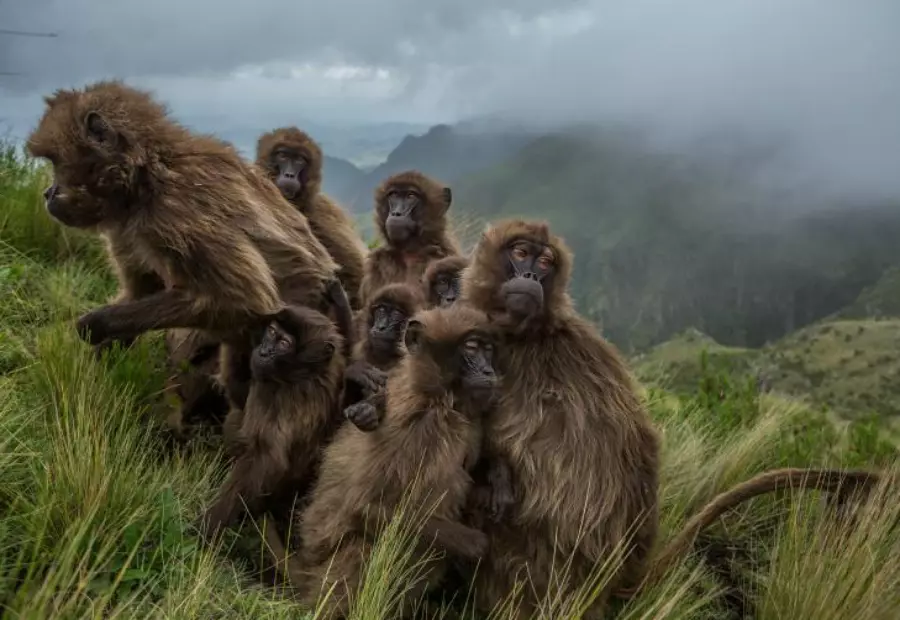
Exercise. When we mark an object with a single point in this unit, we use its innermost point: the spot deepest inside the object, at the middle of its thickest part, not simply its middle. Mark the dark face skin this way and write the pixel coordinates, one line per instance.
(530, 268)
(386, 327)
(446, 289)
(279, 357)
(290, 171)
(476, 355)
(402, 222)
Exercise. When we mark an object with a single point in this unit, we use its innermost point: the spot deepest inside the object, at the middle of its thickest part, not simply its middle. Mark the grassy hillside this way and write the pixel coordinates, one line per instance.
(97, 515)
(666, 242)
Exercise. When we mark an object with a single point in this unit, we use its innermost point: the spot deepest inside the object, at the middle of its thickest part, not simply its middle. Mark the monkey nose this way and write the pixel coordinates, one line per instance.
(530, 275)
(50, 192)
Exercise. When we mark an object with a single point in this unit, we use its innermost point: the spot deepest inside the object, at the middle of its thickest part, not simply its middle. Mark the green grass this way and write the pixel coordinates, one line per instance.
(97, 516)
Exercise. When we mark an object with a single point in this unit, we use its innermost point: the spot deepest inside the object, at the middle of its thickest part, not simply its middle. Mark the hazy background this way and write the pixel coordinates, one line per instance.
(822, 76)
(729, 165)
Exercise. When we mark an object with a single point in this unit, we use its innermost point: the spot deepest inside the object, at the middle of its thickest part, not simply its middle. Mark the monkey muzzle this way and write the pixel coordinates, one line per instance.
(399, 228)
(289, 185)
(523, 295)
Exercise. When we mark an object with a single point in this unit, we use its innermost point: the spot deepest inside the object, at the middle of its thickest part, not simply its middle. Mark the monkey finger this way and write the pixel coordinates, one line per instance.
(363, 415)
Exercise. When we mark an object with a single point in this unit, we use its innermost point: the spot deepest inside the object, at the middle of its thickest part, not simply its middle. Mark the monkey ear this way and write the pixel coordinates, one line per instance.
(447, 195)
(98, 128)
(413, 336)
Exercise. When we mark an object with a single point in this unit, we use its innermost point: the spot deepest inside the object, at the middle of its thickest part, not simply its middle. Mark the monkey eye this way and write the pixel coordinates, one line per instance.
(519, 253)
(270, 331)
(545, 262)
(411, 195)
(283, 344)
(472, 345)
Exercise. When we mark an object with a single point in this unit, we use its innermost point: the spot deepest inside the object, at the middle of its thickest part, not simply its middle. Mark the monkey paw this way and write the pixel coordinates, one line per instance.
(476, 545)
(364, 415)
(92, 327)
(369, 378)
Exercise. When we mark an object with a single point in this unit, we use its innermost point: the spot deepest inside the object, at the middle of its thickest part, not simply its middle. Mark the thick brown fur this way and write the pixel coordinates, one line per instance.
(193, 359)
(583, 452)
(286, 423)
(328, 221)
(388, 263)
(199, 238)
(449, 266)
(367, 473)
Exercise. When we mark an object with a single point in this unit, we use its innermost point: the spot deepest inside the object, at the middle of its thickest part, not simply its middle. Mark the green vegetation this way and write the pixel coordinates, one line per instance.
(97, 514)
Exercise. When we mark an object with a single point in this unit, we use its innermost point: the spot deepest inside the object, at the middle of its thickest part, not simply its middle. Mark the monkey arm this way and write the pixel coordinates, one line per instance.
(493, 493)
(161, 310)
(450, 536)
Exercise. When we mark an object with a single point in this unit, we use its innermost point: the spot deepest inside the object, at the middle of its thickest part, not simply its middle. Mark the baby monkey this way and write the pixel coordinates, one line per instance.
(441, 283)
(379, 349)
(291, 412)
(425, 447)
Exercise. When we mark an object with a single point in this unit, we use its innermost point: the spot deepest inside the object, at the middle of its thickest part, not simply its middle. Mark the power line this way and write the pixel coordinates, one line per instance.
(25, 33)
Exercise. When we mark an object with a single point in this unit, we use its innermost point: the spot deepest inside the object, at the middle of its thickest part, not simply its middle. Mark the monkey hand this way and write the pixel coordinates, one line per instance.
(107, 345)
(499, 490)
(364, 415)
(92, 327)
(366, 376)
(213, 522)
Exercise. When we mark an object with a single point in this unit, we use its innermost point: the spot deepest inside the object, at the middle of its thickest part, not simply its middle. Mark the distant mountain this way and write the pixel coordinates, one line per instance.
(341, 180)
(665, 242)
(881, 300)
(445, 152)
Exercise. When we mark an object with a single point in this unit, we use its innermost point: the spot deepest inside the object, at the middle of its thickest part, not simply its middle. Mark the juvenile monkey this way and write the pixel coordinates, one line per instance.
(291, 412)
(199, 238)
(378, 350)
(293, 161)
(430, 435)
(411, 217)
(442, 281)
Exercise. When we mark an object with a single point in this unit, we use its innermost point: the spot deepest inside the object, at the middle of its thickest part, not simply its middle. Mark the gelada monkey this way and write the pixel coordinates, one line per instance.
(291, 412)
(442, 281)
(426, 445)
(293, 161)
(379, 349)
(411, 218)
(566, 403)
(200, 239)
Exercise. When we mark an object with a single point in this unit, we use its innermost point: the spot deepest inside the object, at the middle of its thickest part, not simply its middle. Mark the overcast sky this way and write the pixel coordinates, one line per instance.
(824, 73)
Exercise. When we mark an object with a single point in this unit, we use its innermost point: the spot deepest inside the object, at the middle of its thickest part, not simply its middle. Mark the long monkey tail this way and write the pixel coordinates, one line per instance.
(830, 480)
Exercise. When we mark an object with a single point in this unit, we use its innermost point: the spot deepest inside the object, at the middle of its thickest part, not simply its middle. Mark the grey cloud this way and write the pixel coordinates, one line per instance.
(131, 38)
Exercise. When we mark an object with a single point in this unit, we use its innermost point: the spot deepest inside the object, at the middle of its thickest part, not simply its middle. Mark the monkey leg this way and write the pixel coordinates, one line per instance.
(333, 583)
(255, 473)
(450, 536)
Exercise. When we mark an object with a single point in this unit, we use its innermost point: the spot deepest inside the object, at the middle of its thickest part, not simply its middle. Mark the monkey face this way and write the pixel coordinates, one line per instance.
(90, 173)
(446, 288)
(530, 268)
(476, 363)
(290, 171)
(386, 326)
(402, 221)
(282, 356)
